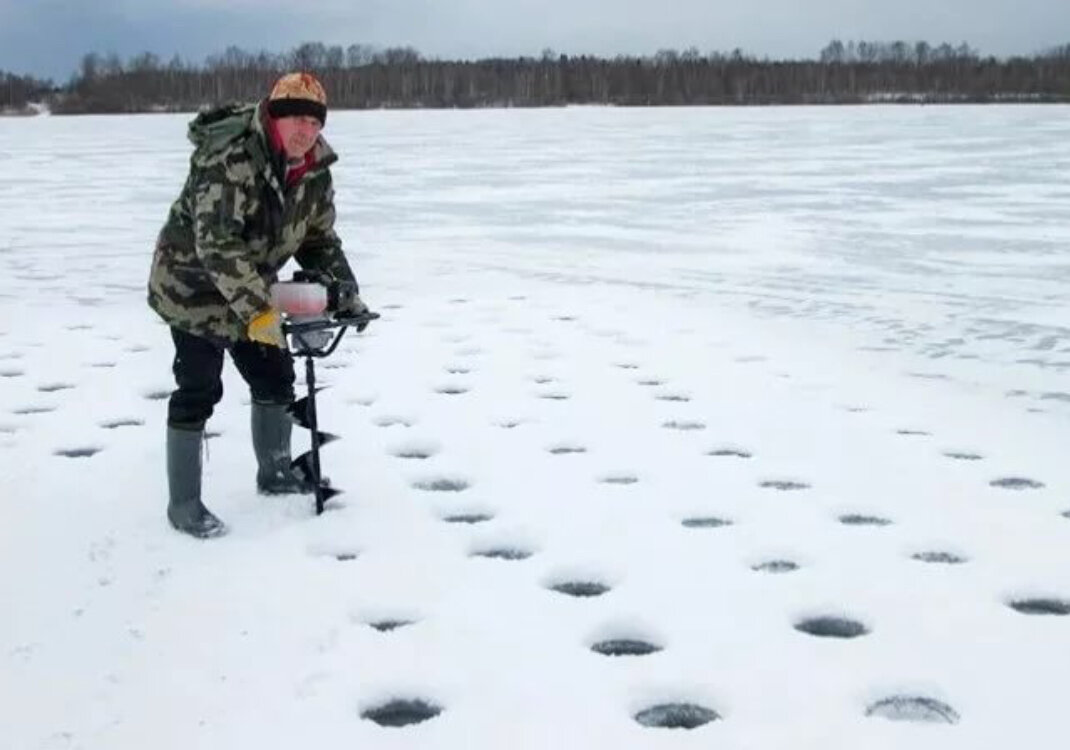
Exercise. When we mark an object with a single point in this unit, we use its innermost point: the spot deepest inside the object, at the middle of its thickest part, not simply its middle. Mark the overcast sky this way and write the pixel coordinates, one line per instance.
(48, 37)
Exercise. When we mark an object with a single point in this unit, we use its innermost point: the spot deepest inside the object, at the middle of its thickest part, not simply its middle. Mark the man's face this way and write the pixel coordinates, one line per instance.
(298, 134)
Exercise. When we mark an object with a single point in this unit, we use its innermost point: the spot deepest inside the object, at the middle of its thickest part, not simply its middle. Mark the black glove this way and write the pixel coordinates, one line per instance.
(354, 307)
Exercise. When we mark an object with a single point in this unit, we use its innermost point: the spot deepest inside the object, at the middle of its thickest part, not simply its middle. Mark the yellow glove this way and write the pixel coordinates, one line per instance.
(266, 328)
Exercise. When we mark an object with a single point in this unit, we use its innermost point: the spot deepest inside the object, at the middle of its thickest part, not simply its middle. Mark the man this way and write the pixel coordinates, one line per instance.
(258, 193)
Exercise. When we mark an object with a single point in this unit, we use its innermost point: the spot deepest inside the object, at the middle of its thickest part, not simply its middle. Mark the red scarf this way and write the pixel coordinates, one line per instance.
(294, 172)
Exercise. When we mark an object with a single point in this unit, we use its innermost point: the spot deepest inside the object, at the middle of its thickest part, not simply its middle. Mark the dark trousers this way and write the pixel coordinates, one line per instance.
(198, 367)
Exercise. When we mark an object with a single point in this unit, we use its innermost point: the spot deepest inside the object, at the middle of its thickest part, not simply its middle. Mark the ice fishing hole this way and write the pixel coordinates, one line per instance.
(441, 484)
(401, 713)
(775, 566)
(784, 485)
(831, 627)
(625, 647)
(856, 519)
(503, 553)
(706, 522)
(77, 452)
(581, 589)
(387, 626)
(1016, 483)
(933, 556)
(468, 518)
(1058, 607)
(914, 708)
(729, 453)
(676, 716)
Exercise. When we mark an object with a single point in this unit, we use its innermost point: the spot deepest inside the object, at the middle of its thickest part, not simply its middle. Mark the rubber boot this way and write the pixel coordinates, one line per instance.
(272, 426)
(185, 510)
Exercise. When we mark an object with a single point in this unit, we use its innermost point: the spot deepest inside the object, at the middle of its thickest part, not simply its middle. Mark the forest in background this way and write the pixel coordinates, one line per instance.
(361, 77)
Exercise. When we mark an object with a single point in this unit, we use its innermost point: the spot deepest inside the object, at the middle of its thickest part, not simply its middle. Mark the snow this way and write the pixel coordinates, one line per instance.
(614, 333)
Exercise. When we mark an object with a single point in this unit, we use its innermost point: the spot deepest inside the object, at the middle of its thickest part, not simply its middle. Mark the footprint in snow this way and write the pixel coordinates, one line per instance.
(441, 484)
(619, 479)
(504, 552)
(158, 395)
(416, 449)
(555, 396)
(11, 373)
(1016, 483)
(909, 433)
(85, 452)
(470, 518)
(673, 397)
(27, 410)
(857, 519)
(784, 485)
(54, 387)
(393, 421)
(913, 708)
(775, 566)
(565, 449)
(729, 453)
(451, 389)
(964, 456)
(625, 646)
(938, 557)
(684, 425)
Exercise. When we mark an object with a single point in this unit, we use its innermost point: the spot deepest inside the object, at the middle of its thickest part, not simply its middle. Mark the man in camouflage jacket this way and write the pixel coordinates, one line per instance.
(259, 192)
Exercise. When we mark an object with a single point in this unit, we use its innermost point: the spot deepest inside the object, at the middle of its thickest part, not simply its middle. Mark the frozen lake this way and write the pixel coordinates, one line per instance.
(756, 417)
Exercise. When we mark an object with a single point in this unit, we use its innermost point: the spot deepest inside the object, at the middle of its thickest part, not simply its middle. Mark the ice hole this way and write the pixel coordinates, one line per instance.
(831, 627)
(625, 647)
(1041, 606)
(676, 716)
(401, 713)
(581, 589)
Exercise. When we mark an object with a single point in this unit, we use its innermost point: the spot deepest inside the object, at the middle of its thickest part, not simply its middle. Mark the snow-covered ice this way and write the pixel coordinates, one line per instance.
(757, 413)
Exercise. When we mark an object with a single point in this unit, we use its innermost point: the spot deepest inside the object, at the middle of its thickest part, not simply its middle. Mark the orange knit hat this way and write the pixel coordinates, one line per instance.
(298, 94)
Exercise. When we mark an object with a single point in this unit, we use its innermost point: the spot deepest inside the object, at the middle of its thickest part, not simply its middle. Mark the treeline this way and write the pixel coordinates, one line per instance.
(16, 92)
(360, 76)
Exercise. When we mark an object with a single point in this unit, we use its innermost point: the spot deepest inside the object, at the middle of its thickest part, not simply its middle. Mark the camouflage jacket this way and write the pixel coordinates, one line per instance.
(236, 224)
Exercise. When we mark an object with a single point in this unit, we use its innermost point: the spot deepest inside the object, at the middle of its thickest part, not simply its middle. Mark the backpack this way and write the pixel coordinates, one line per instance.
(215, 129)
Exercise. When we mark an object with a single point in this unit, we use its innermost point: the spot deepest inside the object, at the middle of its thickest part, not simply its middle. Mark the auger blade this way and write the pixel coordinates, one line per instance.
(302, 466)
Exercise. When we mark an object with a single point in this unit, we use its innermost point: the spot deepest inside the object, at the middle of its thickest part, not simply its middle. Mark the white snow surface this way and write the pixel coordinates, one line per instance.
(870, 303)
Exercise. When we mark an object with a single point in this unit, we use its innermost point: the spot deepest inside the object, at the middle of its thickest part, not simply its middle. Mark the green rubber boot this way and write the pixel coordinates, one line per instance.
(185, 510)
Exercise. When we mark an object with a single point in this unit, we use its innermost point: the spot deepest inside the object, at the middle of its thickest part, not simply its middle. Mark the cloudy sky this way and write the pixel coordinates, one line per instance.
(48, 37)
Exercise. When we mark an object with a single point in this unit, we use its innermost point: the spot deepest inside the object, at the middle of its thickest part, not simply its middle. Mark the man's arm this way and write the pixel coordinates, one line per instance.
(322, 248)
(219, 218)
